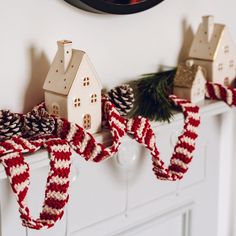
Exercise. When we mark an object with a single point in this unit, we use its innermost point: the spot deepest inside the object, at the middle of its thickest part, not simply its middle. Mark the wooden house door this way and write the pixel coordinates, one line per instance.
(55, 109)
(87, 121)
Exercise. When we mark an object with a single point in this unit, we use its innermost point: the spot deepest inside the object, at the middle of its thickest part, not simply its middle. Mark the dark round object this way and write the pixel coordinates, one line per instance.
(115, 6)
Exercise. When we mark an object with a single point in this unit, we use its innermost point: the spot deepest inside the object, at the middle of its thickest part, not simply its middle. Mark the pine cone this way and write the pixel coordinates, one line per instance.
(10, 124)
(38, 122)
(123, 98)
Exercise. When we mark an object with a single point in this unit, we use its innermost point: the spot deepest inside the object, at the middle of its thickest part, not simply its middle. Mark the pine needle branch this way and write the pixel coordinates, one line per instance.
(152, 95)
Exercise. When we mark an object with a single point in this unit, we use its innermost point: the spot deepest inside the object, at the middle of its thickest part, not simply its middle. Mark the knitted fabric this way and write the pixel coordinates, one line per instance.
(56, 193)
(219, 92)
(69, 135)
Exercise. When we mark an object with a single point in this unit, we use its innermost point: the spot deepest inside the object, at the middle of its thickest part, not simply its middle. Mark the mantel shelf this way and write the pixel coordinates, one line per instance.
(40, 158)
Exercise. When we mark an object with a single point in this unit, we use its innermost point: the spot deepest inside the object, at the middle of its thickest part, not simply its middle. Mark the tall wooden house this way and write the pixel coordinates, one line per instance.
(214, 49)
(73, 88)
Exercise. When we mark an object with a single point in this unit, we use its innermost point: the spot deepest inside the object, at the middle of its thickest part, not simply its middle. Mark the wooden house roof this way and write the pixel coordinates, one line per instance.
(207, 49)
(61, 82)
(185, 75)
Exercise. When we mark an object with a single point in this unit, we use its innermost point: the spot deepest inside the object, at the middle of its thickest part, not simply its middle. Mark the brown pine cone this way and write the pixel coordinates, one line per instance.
(38, 122)
(11, 124)
(123, 98)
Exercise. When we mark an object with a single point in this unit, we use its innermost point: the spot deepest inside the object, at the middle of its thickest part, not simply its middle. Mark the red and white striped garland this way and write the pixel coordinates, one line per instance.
(219, 92)
(69, 135)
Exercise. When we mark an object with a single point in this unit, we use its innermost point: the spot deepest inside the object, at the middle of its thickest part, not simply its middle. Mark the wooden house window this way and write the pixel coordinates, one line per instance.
(77, 102)
(231, 63)
(55, 110)
(93, 98)
(86, 81)
(226, 49)
(87, 121)
(220, 67)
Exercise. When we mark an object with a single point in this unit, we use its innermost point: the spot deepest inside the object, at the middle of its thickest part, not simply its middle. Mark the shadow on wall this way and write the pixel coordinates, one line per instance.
(39, 69)
(188, 35)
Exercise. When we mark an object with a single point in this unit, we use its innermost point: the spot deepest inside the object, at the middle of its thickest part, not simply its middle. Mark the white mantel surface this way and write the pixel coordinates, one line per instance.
(39, 159)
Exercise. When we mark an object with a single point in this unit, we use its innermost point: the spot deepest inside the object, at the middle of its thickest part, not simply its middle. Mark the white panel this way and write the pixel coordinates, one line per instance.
(143, 185)
(175, 222)
(163, 228)
(10, 217)
(97, 194)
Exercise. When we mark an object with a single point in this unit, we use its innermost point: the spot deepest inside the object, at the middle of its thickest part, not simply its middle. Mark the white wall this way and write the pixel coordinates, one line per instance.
(121, 47)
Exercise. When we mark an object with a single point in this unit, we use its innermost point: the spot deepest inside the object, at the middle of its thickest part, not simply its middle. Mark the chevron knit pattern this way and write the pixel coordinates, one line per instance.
(56, 194)
(219, 92)
(69, 135)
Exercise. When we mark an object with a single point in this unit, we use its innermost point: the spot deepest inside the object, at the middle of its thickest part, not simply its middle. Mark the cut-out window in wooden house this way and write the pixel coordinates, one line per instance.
(226, 49)
(86, 81)
(220, 67)
(76, 102)
(87, 121)
(55, 109)
(231, 63)
(93, 98)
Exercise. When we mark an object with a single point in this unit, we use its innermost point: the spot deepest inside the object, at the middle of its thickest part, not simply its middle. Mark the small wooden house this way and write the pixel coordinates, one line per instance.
(73, 88)
(189, 82)
(213, 48)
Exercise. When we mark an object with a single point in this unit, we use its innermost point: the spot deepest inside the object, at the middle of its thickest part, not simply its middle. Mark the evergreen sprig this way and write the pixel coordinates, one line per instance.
(152, 95)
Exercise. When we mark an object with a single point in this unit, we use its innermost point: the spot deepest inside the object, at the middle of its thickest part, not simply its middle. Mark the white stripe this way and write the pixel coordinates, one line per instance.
(9, 156)
(28, 144)
(2, 149)
(72, 132)
(183, 151)
(130, 124)
(52, 211)
(57, 195)
(152, 142)
(179, 174)
(60, 148)
(84, 142)
(62, 164)
(157, 162)
(118, 123)
(229, 97)
(217, 91)
(17, 170)
(192, 128)
(141, 127)
(58, 180)
(15, 145)
(95, 152)
(179, 163)
(20, 187)
(185, 105)
(188, 140)
(194, 115)
(160, 171)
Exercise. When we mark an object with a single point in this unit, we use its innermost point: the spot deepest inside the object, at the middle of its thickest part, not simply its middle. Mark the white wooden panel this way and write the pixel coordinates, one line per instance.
(171, 227)
(143, 185)
(10, 217)
(97, 194)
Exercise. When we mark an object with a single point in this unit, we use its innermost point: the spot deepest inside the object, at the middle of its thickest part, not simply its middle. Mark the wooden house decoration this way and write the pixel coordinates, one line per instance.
(73, 89)
(213, 48)
(189, 82)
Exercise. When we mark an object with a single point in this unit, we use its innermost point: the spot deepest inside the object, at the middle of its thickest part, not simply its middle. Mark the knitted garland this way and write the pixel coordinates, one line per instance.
(71, 135)
(219, 92)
